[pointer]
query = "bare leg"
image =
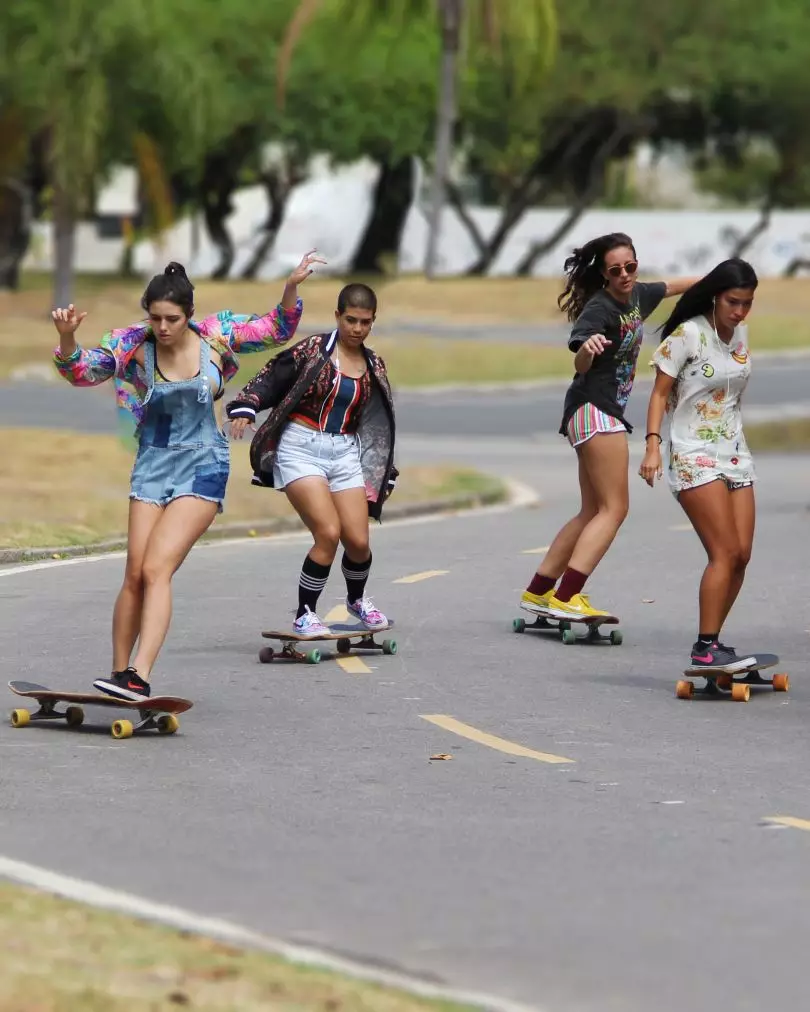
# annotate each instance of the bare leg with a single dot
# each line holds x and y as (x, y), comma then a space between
(605, 458)
(129, 603)
(183, 522)
(711, 513)
(743, 509)
(352, 511)
(562, 547)
(312, 501)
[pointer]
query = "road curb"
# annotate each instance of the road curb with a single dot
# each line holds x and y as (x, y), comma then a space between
(268, 527)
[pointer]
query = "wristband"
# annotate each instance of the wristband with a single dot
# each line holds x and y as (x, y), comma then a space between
(657, 436)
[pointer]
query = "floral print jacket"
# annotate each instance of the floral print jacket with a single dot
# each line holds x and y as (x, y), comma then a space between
(226, 332)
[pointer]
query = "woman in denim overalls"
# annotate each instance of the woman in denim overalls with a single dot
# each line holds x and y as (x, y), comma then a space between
(178, 369)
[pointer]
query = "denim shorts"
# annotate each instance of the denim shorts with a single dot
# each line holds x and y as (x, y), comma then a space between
(162, 474)
(306, 453)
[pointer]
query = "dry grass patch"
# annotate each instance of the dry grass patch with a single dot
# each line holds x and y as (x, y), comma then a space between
(63, 488)
(59, 956)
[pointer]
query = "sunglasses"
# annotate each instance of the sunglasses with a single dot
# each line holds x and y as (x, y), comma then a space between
(616, 270)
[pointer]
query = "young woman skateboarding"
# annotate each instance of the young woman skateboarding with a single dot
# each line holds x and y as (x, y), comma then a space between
(169, 371)
(607, 306)
(702, 368)
(329, 444)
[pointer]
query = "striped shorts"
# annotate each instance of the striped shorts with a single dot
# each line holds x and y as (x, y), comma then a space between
(587, 420)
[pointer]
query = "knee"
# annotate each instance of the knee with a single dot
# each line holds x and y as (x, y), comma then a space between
(133, 578)
(357, 548)
(733, 557)
(616, 511)
(742, 558)
(154, 572)
(327, 537)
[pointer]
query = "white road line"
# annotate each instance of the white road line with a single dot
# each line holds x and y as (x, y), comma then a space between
(227, 931)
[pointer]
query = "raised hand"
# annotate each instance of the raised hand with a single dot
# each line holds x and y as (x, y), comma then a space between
(304, 269)
(67, 320)
(595, 344)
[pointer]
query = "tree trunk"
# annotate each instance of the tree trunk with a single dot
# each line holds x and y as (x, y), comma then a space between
(450, 14)
(64, 246)
(15, 231)
(392, 200)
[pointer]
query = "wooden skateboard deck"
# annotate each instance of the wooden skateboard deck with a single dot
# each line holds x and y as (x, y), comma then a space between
(546, 622)
(737, 678)
(155, 712)
(347, 637)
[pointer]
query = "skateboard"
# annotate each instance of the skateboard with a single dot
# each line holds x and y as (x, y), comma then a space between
(725, 679)
(347, 636)
(545, 622)
(154, 712)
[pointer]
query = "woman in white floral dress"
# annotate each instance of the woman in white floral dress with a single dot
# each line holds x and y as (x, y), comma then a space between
(702, 369)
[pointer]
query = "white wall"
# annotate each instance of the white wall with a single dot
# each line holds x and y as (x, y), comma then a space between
(331, 209)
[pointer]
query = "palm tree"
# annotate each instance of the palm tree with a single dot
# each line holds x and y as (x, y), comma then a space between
(523, 32)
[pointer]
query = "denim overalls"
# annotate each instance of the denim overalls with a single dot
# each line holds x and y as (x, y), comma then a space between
(181, 450)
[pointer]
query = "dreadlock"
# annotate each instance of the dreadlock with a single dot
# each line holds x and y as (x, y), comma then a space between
(584, 271)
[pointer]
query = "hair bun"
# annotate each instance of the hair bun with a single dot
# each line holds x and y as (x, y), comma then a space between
(175, 268)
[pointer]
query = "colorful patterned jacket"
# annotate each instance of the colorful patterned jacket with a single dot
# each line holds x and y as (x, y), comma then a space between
(282, 383)
(228, 334)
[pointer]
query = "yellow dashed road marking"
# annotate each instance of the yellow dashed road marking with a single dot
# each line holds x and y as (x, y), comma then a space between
(427, 575)
(337, 614)
(537, 551)
(681, 527)
(491, 740)
(354, 665)
(790, 821)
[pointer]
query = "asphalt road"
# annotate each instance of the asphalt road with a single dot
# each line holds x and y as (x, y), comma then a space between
(778, 386)
(301, 801)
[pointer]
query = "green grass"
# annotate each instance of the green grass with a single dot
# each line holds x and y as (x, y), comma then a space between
(91, 476)
(60, 956)
(789, 436)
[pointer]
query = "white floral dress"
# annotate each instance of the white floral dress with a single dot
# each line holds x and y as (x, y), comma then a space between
(706, 439)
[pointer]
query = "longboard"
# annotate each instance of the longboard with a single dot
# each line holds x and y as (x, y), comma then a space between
(348, 636)
(723, 679)
(154, 712)
(546, 622)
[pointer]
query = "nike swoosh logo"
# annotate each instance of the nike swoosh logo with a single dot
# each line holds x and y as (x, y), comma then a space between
(705, 659)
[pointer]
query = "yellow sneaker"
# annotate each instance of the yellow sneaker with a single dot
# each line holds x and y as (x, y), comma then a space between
(578, 607)
(536, 602)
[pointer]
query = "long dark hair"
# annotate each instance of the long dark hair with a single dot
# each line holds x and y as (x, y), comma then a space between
(172, 285)
(699, 299)
(584, 271)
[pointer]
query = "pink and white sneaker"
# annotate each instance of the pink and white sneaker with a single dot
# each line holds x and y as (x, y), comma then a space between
(370, 616)
(310, 625)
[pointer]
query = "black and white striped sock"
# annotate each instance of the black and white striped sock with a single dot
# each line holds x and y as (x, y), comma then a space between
(310, 584)
(356, 575)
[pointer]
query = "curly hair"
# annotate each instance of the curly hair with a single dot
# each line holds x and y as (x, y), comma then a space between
(584, 271)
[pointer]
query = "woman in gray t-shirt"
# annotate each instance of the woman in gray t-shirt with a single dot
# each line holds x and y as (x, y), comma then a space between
(607, 307)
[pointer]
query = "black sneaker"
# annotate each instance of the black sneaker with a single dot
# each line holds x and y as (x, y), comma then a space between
(711, 655)
(728, 650)
(123, 685)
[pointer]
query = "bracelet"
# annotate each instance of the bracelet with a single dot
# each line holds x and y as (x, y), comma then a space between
(656, 434)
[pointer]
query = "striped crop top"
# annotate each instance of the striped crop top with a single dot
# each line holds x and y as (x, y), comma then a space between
(340, 409)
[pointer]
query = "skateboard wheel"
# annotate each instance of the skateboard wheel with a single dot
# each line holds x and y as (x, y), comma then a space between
(562, 626)
(568, 637)
(685, 690)
(20, 718)
(167, 723)
(313, 657)
(344, 646)
(122, 729)
(266, 655)
(616, 637)
(740, 693)
(519, 625)
(389, 646)
(781, 683)
(724, 682)
(74, 716)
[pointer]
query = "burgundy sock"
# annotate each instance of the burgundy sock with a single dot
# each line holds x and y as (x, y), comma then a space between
(571, 583)
(541, 584)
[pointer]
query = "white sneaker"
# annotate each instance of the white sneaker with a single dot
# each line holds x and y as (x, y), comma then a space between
(309, 625)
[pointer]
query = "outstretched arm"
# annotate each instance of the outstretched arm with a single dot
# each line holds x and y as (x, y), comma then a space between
(83, 367)
(679, 286)
(256, 333)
